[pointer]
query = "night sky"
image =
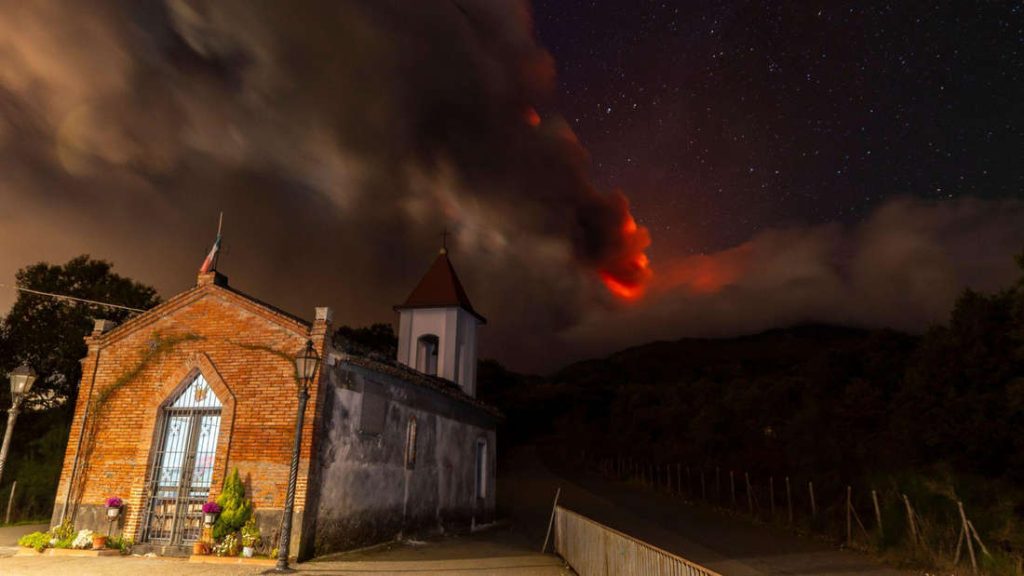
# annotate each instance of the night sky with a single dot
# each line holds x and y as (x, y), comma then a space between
(611, 173)
(722, 119)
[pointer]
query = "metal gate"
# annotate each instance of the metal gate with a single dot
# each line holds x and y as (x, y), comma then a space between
(182, 469)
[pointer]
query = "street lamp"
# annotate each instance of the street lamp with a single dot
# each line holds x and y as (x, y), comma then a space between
(22, 378)
(306, 363)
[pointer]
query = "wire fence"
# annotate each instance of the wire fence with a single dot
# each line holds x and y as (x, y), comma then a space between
(593, 549)
(861, 518)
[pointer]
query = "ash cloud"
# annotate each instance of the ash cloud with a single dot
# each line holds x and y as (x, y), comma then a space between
(902, 267)
(340, 138)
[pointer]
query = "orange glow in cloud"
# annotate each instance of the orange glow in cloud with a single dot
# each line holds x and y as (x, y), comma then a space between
(627, 273)
(624, 291)
(531, 117)
(704, 274)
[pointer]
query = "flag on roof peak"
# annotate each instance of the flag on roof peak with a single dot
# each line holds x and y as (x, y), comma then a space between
(210, 264)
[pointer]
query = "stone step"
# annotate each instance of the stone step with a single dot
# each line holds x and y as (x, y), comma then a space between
(177, 551)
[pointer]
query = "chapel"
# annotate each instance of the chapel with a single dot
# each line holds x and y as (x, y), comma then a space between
(176, 398)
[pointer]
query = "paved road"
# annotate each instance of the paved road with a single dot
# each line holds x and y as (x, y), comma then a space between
(9, 536)
(108, 566)
(730, 546)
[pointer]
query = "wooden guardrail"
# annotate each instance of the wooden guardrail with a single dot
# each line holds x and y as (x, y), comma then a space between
(593, 549)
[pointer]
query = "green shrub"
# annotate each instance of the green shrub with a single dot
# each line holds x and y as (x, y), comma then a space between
(64, 534)
(36, 540)
(251, 533)
(121, 543)
(235, 509)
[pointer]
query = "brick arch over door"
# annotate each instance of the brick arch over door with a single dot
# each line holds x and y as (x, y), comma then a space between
(168, 390)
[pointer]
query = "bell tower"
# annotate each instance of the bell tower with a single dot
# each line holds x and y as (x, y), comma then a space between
(437, 327)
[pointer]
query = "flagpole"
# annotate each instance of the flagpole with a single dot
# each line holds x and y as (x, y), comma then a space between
(220, 224)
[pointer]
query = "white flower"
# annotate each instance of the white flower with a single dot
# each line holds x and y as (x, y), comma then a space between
(83, 540)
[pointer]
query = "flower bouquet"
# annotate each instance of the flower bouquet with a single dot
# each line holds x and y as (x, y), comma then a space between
(210, 512)
(114, 505)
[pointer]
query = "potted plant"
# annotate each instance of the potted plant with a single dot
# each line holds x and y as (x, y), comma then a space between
(228, 545)
(250, 537)
(99, 541)
(210, 512)
(200, 548)
(114, 505)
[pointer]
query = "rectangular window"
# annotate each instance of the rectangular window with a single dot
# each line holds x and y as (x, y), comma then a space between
(375, 407)
(410, 444)
(481, 468)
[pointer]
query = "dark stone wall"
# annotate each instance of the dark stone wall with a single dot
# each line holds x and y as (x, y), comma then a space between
(92, 517)
(365, 494)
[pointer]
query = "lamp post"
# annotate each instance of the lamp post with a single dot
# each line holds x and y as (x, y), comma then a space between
(22, 378)
(306, 363)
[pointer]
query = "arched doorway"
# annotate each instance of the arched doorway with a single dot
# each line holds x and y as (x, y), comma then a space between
(182, 465)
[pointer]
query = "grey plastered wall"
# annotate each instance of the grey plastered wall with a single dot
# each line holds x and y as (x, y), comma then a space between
(365, 492)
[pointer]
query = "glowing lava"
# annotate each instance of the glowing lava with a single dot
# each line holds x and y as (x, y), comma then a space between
(531, 117)
(628, 271)
(624, 291)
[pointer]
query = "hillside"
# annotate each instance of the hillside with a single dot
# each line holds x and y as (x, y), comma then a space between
(809, 399)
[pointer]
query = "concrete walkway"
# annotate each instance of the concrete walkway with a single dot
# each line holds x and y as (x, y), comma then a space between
(493, 553)
(536, 565)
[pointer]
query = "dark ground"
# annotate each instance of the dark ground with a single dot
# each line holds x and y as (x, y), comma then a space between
(731, 546)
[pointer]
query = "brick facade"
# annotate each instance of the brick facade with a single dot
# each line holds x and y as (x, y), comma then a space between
(243, 348)
(354, 486)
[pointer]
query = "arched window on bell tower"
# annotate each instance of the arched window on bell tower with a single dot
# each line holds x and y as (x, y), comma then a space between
(426, 353)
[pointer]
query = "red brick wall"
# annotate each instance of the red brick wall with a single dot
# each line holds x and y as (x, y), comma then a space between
(256, 387)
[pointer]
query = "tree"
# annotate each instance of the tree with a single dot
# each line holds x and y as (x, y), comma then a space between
(373, 340)
(48, 333)
(235, 508)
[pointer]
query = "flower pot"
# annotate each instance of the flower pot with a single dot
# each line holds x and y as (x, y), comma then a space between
(113, 513)
(99, 542)
(209, 518)
(248, 551)
(200, 549)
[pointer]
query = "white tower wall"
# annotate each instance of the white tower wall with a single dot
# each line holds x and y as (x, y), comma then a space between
(455, 330)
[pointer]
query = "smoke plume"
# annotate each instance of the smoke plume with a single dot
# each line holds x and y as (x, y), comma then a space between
(340, 138)
(901, 268)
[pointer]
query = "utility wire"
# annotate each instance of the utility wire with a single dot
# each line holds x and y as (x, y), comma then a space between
(72, 298)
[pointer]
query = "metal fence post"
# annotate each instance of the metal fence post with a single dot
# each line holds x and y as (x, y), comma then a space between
(814, 506)
(878, 514)
(789, 501)
(10, 503)
(551, 522)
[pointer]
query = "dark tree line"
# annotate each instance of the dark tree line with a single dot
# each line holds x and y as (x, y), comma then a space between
(809, 397)
(47, 334)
